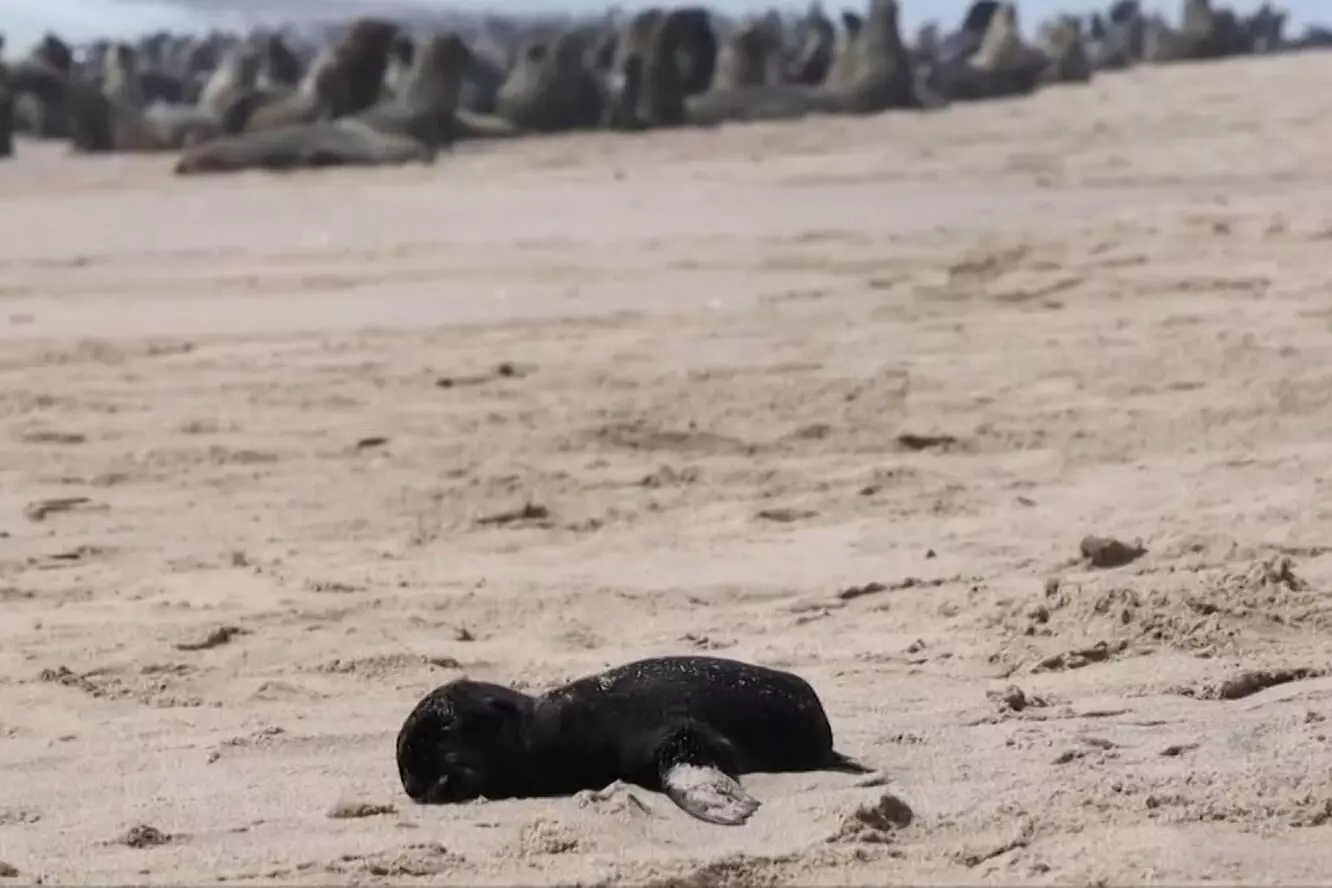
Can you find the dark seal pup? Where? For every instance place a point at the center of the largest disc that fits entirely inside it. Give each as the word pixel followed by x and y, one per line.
pixel 686 726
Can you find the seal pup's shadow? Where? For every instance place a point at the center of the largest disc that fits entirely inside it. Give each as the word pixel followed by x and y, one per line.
pixel 687 726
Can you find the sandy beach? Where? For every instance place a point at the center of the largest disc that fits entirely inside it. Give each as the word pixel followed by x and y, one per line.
pixel 280 454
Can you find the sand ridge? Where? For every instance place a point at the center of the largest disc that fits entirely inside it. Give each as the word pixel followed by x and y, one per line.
pixel 280 454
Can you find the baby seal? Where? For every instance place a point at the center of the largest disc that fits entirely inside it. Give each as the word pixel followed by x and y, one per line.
pixel 686 726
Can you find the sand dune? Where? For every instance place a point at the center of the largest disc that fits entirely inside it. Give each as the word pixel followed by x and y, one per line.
pixel 272 403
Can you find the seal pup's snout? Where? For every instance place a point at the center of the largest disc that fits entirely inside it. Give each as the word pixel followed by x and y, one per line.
pixel 452 787
pixel 436 779
pixel 415 787
pixel 418 772
pixel 437 792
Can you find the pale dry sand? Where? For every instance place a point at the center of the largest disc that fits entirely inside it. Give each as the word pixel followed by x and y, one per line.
pixel 1115 298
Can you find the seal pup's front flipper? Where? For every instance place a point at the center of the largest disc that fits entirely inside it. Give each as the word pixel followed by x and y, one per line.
pixel 709 794
pixel 697 768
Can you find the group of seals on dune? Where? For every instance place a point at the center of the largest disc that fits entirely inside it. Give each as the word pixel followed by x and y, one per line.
pixel 384 93
pixel 368 127
pixel 687 726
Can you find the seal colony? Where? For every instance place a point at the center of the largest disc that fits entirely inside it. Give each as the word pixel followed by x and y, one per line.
pixel 379 92
pixel 688 726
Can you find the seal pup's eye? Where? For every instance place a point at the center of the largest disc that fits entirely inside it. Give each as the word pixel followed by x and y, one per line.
pixel 437 723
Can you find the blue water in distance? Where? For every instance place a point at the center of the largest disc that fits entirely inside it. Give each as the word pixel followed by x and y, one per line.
pixel 24 21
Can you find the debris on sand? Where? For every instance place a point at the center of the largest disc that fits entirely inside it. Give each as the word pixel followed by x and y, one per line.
pixel 874 822
pixel 1021 837
pixel 503 370
pixel 141 835
pixel 39 509
pixel 851 593
pixel 53 438
pixel 216 638
pixel 529 514
pixel 1250 682
pixel 1206 610
pixel 927 442
pixel 414 861
pixel 371 442
pixel 354 810
pixel 784 515
pixel 874 587
pixel 617 798
pixel 1090 744
pixel 1076 659
pixel 66 556
pixel 1276 571
pixel 8 871
pixel 1108 552
pixel 1068 755
pixel 1014 699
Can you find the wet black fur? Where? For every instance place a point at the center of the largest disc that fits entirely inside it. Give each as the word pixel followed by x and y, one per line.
pixel 468 739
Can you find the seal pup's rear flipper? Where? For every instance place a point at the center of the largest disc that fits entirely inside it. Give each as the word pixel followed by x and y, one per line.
pixel 709 794
pixel 846 765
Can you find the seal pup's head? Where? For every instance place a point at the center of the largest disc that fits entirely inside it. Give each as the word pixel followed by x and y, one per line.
pixel 464 740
